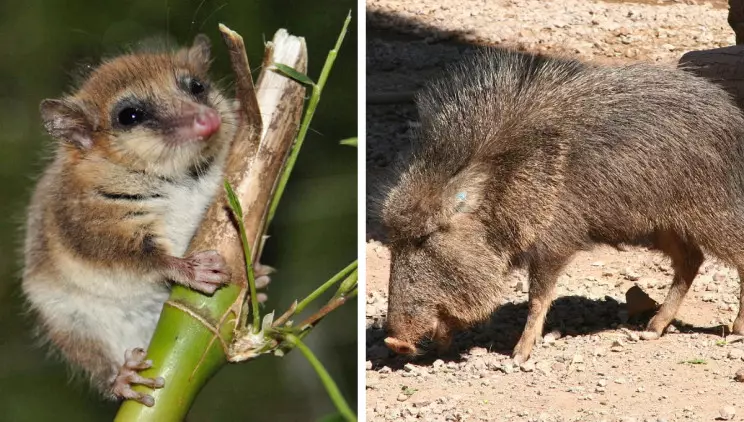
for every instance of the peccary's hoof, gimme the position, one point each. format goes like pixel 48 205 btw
pixel 649 335
pixel 400 347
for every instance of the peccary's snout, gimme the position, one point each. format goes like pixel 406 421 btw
pixel 400 347
pixel 407 327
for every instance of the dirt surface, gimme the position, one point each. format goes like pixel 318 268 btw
pixel 591 365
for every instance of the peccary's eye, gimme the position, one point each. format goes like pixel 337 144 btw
pixel 131 116
pixel 420 241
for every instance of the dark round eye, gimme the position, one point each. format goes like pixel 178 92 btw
pixel 131 116
pixel 196 86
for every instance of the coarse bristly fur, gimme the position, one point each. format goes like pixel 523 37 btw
pixel 114 212
pixel 525 160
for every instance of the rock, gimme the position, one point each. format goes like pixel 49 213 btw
pixel 551 337
pixel 739 375
pixel 478 351
pixel 638 302
pixel 735 354
pixel 528 366
pixel 368 365
pixel 403 397
pixel 577 358
pixel 727 413
pixel 631 275
pixel 438 363
pixel 617 346
pixel 507 368
pixel 543 367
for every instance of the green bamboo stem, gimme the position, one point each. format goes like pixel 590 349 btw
pixel 333 392
pixel 325 286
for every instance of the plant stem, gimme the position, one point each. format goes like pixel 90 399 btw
pixel 237 210
pixel 325 286
pixel 325 378
pixel 332 55
pixel 307 118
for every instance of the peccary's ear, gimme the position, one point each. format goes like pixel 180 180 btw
pixel 199 54
pixel 66 121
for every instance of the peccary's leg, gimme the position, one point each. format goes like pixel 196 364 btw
pixel 543 278
pixel 739 321
pixel 686 260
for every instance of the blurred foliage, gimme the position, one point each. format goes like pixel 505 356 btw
pixel 312 237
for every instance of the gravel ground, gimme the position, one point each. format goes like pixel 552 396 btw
pixel 590 365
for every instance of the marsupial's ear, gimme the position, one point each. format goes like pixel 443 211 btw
pixel 66 121
pixel 199 54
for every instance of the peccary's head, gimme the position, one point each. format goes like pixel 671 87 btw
pixel 480 184
pixel 444 274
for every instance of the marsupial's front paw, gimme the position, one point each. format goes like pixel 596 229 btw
pixel 134 361
pixel 206 271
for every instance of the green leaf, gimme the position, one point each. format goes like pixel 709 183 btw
pixel 291 73
pixel 353 142
pixel 349 283
pixel 233 200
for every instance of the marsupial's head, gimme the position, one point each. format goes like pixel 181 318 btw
pixel 149 111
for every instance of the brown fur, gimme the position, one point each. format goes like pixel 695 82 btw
pixel 524 160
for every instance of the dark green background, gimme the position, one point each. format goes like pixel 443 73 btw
pixel 313 235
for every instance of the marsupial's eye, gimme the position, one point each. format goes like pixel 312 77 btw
pixel 196 87
pixel 131 116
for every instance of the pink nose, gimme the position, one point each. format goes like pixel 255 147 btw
pixel 206 122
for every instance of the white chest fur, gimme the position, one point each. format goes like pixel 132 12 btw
pixel 184 207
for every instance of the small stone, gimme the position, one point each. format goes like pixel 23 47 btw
pixel 735 354
pixel 638 302
pixel 368 365
pixel 551 337
pixel 599 389
pixel 709 297
pixel 617 346
pixel 719 276
pixel 478 351
pixel 385 370
pixel 403 397
pixel 727 413
pixel 602 383
pixel 438 363
pixel 507 368
pixel 620 381
pixel 409 368
pixel 528 366
pixel 543 367
pixel 739 375
pixel 631 275
pixel 599 351
pixel 577 358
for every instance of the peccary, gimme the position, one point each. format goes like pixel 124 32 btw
pixel 524 160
